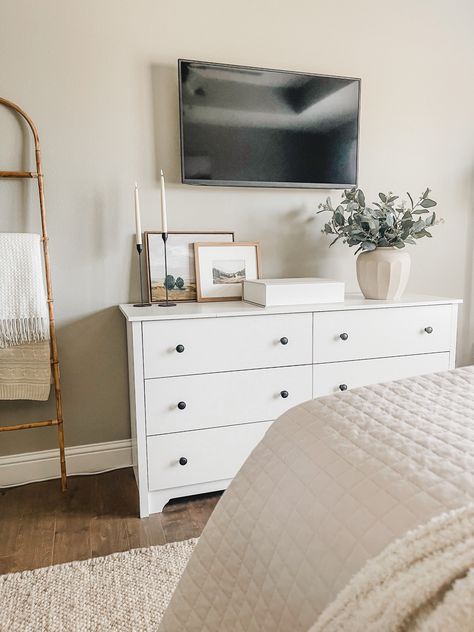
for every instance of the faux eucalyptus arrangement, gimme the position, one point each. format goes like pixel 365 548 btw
pixel 389 222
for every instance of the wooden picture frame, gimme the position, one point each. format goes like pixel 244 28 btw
pixel 178 262
pixel 215 267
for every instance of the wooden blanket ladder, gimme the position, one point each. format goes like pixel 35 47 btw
pixel 38 176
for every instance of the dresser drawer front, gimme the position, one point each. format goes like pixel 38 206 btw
pixel 376 333
pixel 212 455
pixel 339 376
pixel 226 344
pixel 175 404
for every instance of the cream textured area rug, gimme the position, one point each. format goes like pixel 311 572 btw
pixel 121 592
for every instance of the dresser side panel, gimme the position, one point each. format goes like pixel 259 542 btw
pixel 137 412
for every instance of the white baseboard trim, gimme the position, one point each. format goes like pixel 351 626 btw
pixel 18 469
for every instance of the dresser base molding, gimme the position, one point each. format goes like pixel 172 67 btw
pixel 158 500
pixel 206 381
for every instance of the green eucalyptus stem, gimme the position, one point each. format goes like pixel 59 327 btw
pixel 386 223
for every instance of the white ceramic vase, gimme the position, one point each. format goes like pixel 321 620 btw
pixel 383 273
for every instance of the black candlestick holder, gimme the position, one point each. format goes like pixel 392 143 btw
pixel 167 302
pixel 139 251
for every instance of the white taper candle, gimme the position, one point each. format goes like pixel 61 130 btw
pixel 164 219
pixel 138 224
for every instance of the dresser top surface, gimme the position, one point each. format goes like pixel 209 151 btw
pixel 240 308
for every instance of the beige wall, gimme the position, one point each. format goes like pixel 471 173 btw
pixel 99 78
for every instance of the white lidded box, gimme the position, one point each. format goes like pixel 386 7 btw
pixel 307 291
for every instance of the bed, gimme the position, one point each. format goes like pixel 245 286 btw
pixel 333 482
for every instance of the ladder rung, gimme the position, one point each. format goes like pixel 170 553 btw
pixel 18 174
pixel 34 424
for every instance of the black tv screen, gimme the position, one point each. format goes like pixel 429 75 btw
pixel 243 126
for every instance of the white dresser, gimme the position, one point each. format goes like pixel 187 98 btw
pixel 207 380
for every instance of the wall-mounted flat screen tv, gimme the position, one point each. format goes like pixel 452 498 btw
pixel 243 126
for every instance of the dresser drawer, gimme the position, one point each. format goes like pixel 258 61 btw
pixel 340 376
pixel 376 333
pixel 174 404
pixel 210 345
pixel 211 455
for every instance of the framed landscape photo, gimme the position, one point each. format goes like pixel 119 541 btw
pixel 181 280
pixel 221 268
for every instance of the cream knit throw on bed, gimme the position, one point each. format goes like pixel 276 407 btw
pixel 423 582
pixel 23 307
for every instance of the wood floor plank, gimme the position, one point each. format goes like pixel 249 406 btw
pixel 73 516
pixel 175 520
pixel 108 529
pixel 34 544
pixel 9 523
pixel 145 532
pixel 141 532
pixel 98 515
pixel 13 505
pixel 108 535
pixel 72 540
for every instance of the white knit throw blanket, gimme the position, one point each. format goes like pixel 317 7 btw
pixel 423 582
pixel 23 306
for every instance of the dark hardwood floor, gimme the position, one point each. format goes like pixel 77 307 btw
pixel 98 515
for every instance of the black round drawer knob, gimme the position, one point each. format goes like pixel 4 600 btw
pixel 284 340
pixel 344 336
pixel 429 330
pixel 284 394
pixel 181 405
pixel 343 387
pixel 180 348
pixel 183 460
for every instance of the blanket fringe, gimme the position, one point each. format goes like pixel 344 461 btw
pixel 18 331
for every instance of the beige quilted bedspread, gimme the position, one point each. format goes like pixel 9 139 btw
pixel 331 484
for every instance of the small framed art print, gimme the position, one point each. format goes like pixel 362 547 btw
pixel 221 268
pixel 181 279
